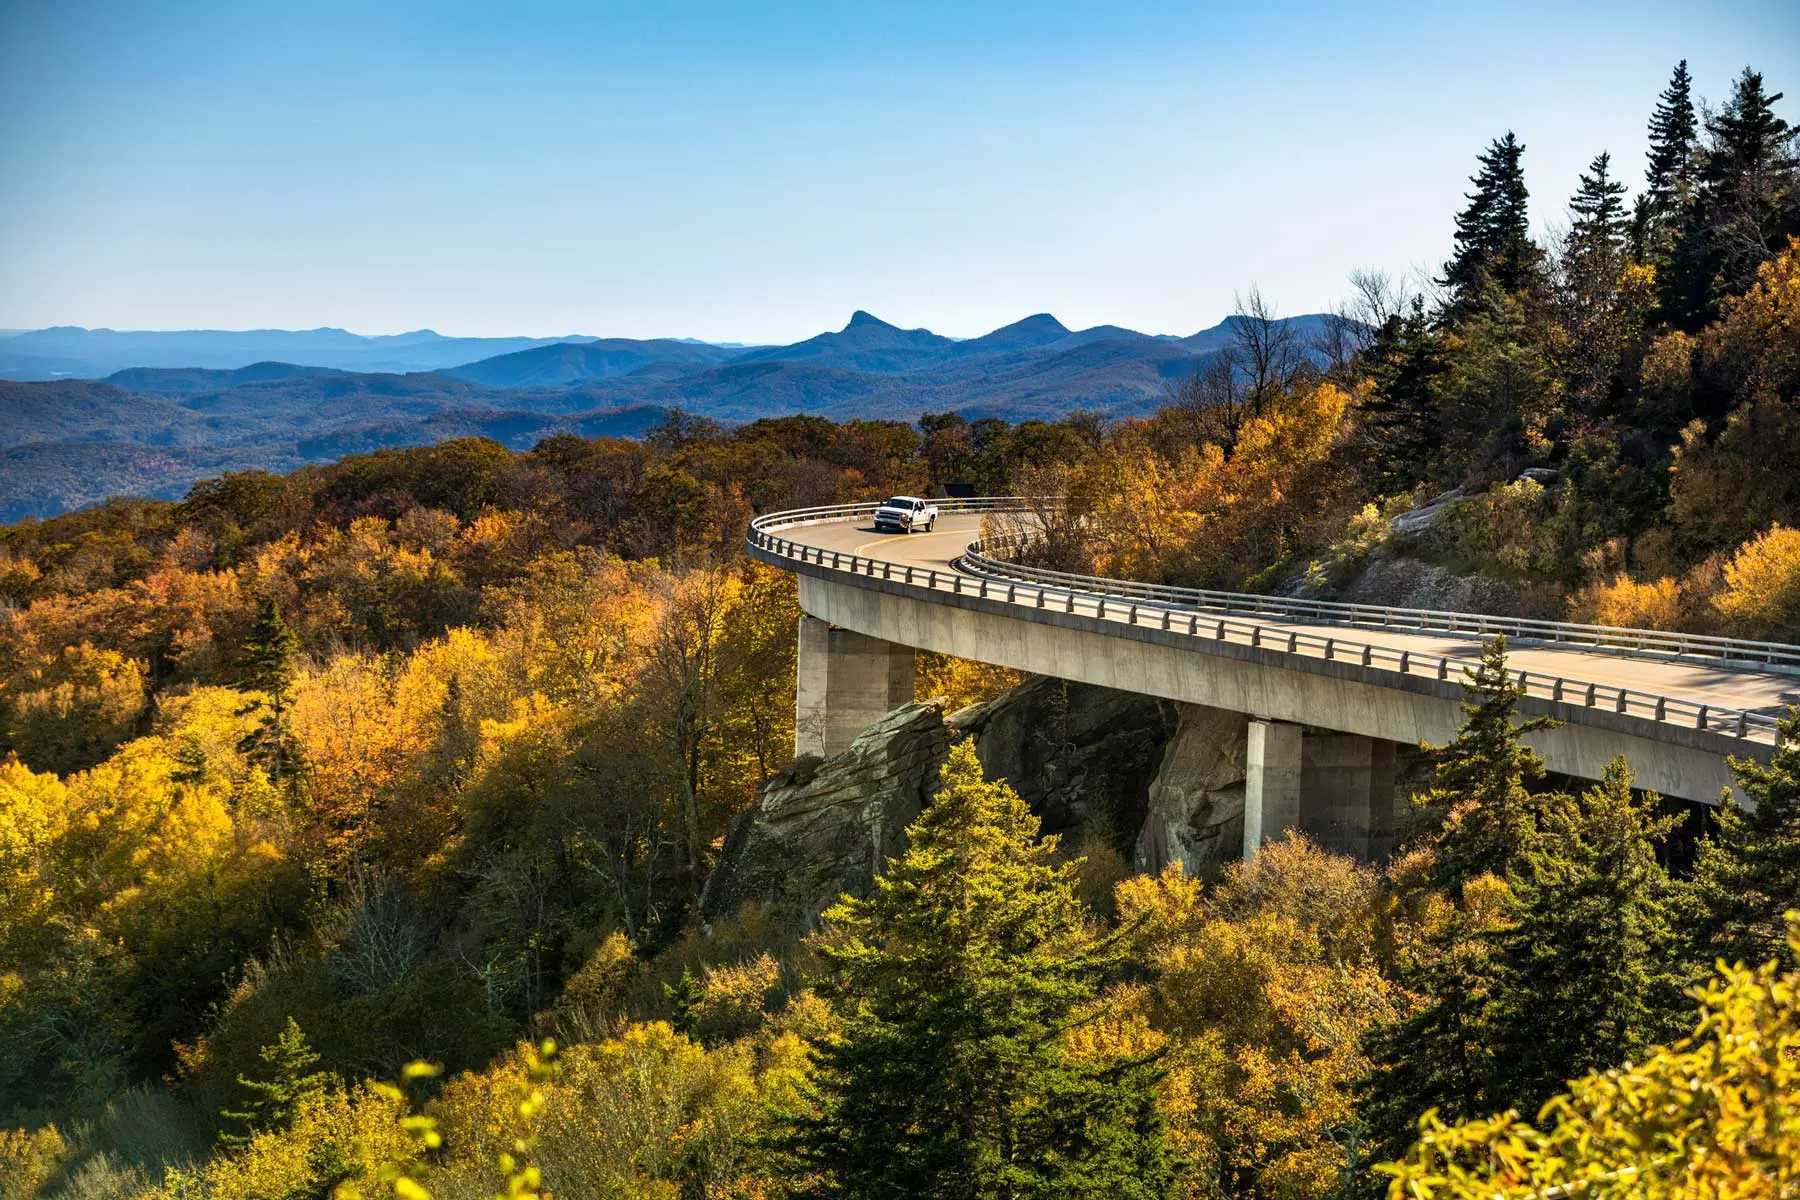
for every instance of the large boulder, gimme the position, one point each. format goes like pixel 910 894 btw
pixel 1196 802
pixel 823 827
pixel 1081 756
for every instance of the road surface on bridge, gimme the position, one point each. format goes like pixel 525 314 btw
pixel 1722 686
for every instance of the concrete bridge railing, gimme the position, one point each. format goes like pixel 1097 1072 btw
pixel 1208 615
pixel 984 557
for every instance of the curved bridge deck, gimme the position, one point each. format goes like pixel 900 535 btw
pixel 1674 718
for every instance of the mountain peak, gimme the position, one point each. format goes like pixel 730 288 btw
pixel 1039 329
pixel 1039 321
pixel 864 320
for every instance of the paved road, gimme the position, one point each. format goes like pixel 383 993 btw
pixel 1730 687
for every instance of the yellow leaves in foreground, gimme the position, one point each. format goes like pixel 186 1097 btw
pixel 336 1136
pixel 1713 1117
pixel 1264 990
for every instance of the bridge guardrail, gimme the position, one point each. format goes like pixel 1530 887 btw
pixel 1645 642
pixel 1131 604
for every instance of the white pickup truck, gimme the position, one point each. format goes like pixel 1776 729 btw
pixel 905 514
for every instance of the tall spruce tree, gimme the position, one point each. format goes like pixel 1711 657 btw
pixel 1592 304
pixel 1599 225
pixel 1747 201
pixel 1442 1054
pixel 1668 172
pixel 955 984
pixel 267 664
pixel 1673 128
pixel 1489 814
pixel 1585 979
pixel 1493 234
pixel 1747 873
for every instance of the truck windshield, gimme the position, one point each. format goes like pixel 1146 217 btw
pixel 899 502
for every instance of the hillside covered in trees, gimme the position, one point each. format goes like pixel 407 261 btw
pixel 424 756
pixel 156 430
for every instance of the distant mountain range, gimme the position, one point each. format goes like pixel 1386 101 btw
pixel 91 413
pixel 72 352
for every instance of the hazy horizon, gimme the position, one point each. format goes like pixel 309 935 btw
pixel 732 176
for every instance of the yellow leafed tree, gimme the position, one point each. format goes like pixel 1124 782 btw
pixel 1713 1117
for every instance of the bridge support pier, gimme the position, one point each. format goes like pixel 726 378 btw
pixel 844 682
pixel 1348 782
pixel 1272 772
pixel 1337 788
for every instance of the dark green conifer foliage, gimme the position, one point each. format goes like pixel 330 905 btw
pixel 289 1080
pixel 1747 200
pixel 1442 1055
pixel 1592 264
pixel 1493 234
pixel 1490 815
pixel 955 984
pixel 1748 872
pixel 1586 978
pixel 1406 361
pixel 267 664
pixel 1673 127
pixel 684 996
pixel 1599 225
pixel 1668 172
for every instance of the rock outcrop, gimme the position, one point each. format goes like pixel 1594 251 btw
pixel 1080 756
pixel 1196 802
pixel 823 827
pixel 1401 582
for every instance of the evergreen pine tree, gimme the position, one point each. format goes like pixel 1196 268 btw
pixel 289 1081
pixel 1668 173
pixel 955 984
pixel 1584 980
pixel 267 664
pixel 1747 874
pixel 684 997
pixel 1747 201
pixel 1442 1055
pixel 1673 127
pixel 1599 224
pixel 1405 361
pixel 1590 296
pixel 1493 234
pixel 1490 816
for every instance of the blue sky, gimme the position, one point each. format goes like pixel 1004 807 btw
pixel 754 173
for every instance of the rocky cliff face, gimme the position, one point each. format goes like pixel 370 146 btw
pixel 1196 802
pixel 823 827
pixel 1162 782
pixel 1079 755
pixel 1082 757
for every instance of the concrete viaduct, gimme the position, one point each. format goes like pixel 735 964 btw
pixel 1328 690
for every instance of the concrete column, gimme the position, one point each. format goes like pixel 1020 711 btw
pixel 1337 778
pixel 1272 771
pixel 1389 810
pixel 844 682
